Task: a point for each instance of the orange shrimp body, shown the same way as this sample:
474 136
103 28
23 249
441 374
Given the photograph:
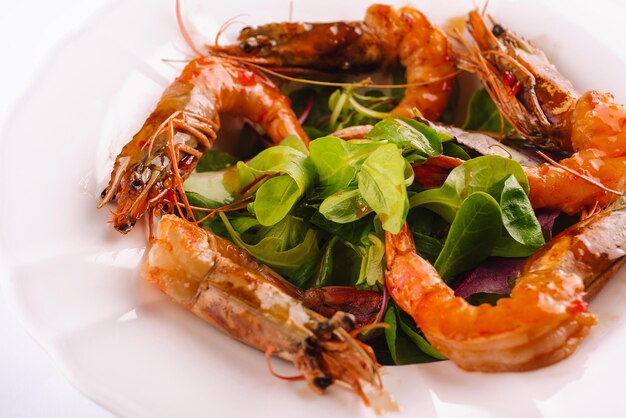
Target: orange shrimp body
545 108
408 36
599 136
183 128
542 322
385 37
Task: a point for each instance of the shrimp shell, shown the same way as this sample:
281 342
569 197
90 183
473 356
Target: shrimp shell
182 128
386 36
545 318
223 285
545 108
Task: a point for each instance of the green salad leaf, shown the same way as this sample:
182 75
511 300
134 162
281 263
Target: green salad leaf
289 174
212 185
372 272
337 162
296 143
215 161
476 175
428 232
523 234
410 329
453 150
198 200
349 108
289 247
275 199
472 235
382 185
483 114
319 109
406 348
324 273
408 135
505 181
427 246
354 232
344 207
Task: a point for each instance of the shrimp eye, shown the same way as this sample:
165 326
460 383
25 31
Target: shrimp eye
104 193
136 184
311 347
497 30
249 45
126 226
323 382
140 179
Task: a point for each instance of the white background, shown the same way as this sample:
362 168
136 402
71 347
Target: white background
30 383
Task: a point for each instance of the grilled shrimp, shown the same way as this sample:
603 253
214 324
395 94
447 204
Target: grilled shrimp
542 322
183 127
545 108
385 36
222 284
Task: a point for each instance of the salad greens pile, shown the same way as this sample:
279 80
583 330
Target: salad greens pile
318 215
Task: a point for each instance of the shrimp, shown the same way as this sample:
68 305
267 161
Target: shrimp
385 36
545 108
151 167
225 286
546 316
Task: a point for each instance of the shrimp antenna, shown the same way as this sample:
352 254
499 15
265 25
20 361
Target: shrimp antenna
228 23
369 327
183 30
580 175
237 205
364 83
484 10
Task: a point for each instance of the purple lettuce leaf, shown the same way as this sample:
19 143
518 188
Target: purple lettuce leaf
496 274
546 218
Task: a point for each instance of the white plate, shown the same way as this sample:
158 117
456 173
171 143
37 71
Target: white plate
74 280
